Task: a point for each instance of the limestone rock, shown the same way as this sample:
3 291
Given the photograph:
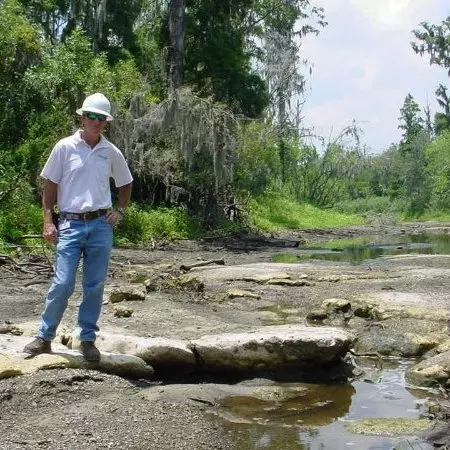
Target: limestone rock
132 292
271 348
122 311
336 305
13 362
236 293
266 278
430 372
161 353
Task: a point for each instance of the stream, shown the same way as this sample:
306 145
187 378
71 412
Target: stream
317 418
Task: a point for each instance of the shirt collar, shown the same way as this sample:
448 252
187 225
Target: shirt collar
79 140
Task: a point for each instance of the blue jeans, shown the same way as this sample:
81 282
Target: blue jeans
92 240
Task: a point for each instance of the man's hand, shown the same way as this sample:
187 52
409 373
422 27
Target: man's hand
50 233
113 217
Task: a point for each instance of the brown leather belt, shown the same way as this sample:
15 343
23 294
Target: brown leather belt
89 215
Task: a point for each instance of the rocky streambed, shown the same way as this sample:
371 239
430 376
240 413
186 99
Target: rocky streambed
204 341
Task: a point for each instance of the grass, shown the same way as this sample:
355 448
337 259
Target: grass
343 243
140 225
275 213
439 216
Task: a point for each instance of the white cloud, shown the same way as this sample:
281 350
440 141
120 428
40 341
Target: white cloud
390 13
364 66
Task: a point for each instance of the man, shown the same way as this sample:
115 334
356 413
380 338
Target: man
77 175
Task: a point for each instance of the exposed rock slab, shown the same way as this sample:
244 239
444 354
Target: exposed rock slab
271 348
13 362
161 353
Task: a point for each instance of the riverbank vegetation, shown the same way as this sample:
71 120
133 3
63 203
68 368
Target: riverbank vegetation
207 97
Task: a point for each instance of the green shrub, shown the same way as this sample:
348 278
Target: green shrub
370 206
274 212
140 225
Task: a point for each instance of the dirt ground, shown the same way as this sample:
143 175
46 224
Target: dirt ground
68 409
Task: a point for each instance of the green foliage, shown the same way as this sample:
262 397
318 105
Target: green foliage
369 206
141 225
216 59
438 170
127 81
19 49
416 186
258 165
343 243
411 123
442 120
19 213
274 212
109 24
44 131
434 40
67 71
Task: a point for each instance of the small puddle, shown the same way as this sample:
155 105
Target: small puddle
314 417
357 250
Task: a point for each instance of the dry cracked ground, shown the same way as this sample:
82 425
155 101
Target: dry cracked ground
85 409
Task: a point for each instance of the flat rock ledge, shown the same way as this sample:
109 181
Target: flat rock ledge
14 362
303 351
271 348
266 349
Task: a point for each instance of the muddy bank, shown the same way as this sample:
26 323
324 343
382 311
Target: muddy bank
220 298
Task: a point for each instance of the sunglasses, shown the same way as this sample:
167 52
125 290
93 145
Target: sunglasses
93 116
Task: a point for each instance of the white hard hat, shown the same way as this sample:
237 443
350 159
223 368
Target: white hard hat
96 103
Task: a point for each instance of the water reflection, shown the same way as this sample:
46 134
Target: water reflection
314 405
355 252
314 417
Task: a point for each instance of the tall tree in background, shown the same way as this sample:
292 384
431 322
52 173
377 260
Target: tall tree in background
412 176
442 119
109 23
177 19
410 122
281 63
434 40
20 48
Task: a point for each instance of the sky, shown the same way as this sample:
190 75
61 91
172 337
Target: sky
363 67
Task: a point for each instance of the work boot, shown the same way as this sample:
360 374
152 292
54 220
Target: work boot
90 351
38 346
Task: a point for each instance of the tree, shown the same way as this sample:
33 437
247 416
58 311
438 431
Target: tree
176 49
281 63
108 23
20 48
438 171
442 120
434 40
410 122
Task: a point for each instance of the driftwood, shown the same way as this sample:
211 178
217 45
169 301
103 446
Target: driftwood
188 267
34 265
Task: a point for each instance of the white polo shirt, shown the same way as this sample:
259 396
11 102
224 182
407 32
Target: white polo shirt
82 174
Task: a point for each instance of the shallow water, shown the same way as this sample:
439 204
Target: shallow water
357 250
315 419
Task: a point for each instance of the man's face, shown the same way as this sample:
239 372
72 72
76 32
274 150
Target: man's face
93 123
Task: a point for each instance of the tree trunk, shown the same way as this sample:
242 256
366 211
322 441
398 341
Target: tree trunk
177 16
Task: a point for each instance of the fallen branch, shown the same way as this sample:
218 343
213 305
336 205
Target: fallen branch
188 267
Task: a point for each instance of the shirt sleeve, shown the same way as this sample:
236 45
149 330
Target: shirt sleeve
53 167
119 169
